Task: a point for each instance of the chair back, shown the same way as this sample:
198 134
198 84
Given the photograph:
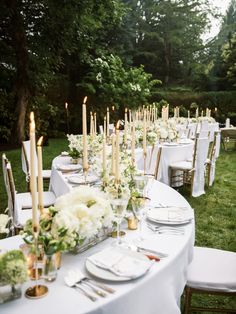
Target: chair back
10 189
4 169
217 143
152 159
25 158
158 159
204 126
214 154
199 159
191 130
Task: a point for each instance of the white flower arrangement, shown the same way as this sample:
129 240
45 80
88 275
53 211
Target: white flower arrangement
76 145
4 220
84 211
160 130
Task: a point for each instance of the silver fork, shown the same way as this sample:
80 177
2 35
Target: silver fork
100 285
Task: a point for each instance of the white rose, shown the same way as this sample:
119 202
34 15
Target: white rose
163 133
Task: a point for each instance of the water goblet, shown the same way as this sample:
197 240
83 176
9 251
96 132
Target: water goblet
119 206
139 206
140 182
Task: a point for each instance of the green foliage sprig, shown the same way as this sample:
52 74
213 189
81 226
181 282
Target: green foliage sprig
13 268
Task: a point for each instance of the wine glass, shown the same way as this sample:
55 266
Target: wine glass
139 205
140 183
119 206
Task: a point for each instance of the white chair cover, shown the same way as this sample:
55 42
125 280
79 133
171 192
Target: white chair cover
191 130
227 123
19 202
215 155
153 159
204 126
25 159
203 133
46 173
199 175
218 139
212 269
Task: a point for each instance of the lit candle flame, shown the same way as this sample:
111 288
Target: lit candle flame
85 100
113 108
66 105
126 110
32 122
40 141
107 109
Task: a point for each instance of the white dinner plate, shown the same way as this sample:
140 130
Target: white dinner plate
69 167
107 275
80 179
170 215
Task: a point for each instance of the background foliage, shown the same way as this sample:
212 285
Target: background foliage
50 52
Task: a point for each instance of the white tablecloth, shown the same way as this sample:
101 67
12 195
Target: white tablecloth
157 292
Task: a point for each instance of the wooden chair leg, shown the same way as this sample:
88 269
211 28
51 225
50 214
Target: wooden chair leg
187 300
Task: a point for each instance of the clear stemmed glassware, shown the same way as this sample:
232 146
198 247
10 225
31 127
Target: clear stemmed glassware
140 184
139 208
139 204
119 206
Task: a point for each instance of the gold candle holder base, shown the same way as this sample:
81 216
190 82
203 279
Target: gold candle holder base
114 234
36 292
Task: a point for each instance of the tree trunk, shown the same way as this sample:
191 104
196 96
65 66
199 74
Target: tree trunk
21 87
167 52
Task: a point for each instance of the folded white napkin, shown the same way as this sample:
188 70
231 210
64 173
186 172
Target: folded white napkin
172 214
121 262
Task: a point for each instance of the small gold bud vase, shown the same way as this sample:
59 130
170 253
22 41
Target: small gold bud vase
132 223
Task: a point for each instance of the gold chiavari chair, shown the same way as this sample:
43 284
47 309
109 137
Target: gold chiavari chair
211 272
157 163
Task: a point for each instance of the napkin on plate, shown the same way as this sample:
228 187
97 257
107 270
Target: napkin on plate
172 214
121 262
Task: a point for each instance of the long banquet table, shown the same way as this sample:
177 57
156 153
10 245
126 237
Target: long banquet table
158 291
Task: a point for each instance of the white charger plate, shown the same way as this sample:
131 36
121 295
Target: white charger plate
107 275
170 215
80 179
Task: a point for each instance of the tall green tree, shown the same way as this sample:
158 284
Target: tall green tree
38 38
168 35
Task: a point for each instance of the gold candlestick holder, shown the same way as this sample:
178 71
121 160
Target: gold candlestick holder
37 291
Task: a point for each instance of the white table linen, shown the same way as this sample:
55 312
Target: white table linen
158 291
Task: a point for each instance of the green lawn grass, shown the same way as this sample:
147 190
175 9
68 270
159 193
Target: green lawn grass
215 212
